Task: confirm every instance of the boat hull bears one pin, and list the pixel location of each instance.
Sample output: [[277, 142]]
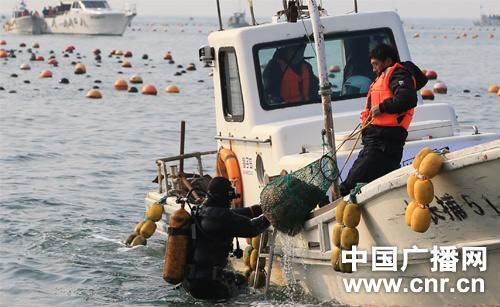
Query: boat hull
[[466, 213], [25, 25], [106, 23]]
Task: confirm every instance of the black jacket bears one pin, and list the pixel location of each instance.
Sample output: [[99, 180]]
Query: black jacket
[[404, 98], [216, 228]]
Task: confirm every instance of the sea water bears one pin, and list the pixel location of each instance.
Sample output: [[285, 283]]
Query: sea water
[[74, 171]]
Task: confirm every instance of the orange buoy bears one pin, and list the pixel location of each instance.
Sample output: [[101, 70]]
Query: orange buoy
[[46, 74], [334, 68], [431, 74], [149, 89], [118, 52], [135, 79], [493, 88], [80, 69], [172, 89], [3, 42], [35, 45], [52, 61], [440, 88], [25, 66], [167, 56], [96, 51], [126, 64], [121, 85], [3, 54], [127, 54], [40, 58], [427, 94], [498, 93], [70, 49], [94, 94]]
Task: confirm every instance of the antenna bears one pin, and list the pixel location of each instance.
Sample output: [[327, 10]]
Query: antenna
[[355, 6], [220, 18]]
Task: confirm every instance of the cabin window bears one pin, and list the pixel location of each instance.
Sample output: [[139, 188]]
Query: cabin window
[[95, 4], [232, 99], [287, 70]]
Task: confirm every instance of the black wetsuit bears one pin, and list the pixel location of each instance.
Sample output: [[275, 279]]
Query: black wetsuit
[[207, 276]]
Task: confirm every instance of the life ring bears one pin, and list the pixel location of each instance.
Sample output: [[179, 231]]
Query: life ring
[[227, 166]]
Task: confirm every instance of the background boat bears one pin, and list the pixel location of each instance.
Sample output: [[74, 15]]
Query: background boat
[[24, 21]]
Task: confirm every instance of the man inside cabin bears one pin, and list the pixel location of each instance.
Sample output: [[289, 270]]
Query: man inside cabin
[[289, 78], [387, 115], [216, 225]]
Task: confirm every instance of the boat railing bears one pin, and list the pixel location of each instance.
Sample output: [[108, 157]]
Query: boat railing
[[173, 177]]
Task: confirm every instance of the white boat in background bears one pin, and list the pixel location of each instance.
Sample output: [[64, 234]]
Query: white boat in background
[[268, 136], [24, 21], [237, 20], [489, 20], [91, 17]]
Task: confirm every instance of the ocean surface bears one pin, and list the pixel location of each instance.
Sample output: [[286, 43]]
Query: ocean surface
[[74, 171]]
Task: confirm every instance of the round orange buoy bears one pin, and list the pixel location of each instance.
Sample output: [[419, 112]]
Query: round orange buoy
[[121, 85], [52, 61], [498, 93], [80, 69], [46, 74], [94, 94], [35, 45], [334, 68], [431, 74], [127, 54], [25, 66], [40, 58], [126, 64], [96, 51], [440, 88], [172, 89], [3, 54], [135, 79], [427, 94], [149, 89], [167, 56], [3, 42], [70, 49], [119, 52], [493, 88]]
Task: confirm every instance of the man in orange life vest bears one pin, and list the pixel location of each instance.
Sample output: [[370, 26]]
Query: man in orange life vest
[[289, 78], [390, 104]]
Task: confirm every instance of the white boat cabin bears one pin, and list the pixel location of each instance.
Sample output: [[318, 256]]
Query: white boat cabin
[[269, 136]]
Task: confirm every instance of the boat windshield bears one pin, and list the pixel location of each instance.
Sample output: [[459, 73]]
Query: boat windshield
[[95, 4], [287, 72]]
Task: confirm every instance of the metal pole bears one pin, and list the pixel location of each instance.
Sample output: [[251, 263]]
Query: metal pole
[[355, 6], [183, 137], [324, 85], [250, 3], [220, 17]]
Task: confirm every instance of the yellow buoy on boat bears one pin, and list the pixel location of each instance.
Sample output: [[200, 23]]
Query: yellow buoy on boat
[[352, 215], [409, 211], [148, 229], [154, 212], [424, 191], [420, 156], [421, 219], [430, 165]]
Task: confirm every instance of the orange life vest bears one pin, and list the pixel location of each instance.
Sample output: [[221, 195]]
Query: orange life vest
[[379, 91], [294, 87]]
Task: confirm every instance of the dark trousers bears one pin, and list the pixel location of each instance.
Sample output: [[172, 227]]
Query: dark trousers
[[372, 162], [225, 286]]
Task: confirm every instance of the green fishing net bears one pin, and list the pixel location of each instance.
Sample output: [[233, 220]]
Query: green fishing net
[[287, 200]]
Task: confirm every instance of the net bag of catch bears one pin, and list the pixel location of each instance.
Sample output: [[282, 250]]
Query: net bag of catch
[[287, 200]]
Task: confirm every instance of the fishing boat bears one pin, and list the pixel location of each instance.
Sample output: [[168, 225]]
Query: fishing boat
[[91, 17], [237, 20], [270, 138], [24, 21], [488, 20]]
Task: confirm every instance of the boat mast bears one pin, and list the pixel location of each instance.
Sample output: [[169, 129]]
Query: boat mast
[[324, 86]]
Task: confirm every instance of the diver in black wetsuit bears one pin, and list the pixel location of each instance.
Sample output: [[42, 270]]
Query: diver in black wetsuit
[[216, 226]]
